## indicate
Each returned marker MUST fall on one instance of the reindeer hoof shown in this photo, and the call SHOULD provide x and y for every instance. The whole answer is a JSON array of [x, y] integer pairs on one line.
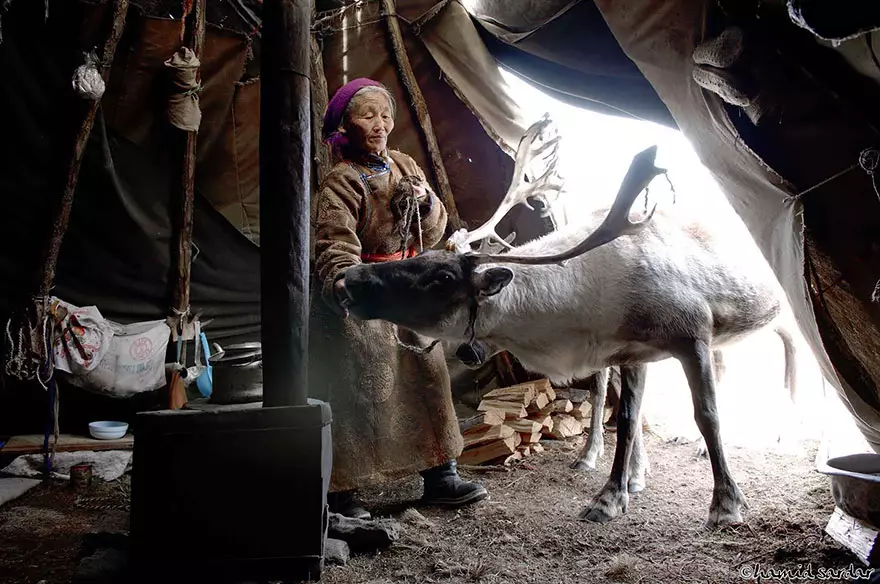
[[582, 465], [720, 519], [607, 506], [726, 508], [636, 485]]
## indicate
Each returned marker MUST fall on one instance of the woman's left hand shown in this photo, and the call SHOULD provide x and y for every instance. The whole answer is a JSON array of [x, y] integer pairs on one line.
[[420, 192]]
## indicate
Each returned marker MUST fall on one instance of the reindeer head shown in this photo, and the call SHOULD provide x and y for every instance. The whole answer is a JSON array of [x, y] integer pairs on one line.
[[438, 293], [434, 293]]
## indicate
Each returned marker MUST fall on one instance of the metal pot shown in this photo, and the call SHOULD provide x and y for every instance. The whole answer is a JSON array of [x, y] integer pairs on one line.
[[237, 383]]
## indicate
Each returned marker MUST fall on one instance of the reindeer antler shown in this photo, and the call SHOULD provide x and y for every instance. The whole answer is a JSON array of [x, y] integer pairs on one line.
[[641, 172], [539, 143]]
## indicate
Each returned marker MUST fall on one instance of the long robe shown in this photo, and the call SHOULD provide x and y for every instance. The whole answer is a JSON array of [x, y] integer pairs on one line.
[[392, 408]]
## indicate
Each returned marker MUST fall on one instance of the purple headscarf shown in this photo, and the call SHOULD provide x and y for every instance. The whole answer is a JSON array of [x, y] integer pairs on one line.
[[336, 109]]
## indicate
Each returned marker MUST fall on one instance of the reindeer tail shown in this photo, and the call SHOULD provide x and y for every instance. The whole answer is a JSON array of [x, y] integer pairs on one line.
[[790, 365]]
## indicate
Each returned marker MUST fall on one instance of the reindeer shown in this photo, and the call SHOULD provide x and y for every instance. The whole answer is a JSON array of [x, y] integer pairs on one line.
[[611, 292]]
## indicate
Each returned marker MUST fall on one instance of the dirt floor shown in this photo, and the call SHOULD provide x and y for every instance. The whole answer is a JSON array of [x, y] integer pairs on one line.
[[527, 532]]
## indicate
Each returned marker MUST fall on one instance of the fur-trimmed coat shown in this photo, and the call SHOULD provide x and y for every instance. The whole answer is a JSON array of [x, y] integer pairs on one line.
[[392, 408]]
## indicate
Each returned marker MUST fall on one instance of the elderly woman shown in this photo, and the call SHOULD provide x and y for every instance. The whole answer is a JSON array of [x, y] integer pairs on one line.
[[392, 405]]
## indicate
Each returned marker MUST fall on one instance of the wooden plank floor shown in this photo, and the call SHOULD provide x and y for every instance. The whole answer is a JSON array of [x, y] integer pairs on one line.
[[33, 443]]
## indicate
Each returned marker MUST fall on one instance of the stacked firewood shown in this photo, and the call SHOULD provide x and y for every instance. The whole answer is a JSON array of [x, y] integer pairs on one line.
[[512, 421]]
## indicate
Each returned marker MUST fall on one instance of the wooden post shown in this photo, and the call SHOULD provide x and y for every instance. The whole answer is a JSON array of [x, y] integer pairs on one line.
[[194, 24], [62, 217], [285, 168], [417, 101], [320, 98], [320, 153]]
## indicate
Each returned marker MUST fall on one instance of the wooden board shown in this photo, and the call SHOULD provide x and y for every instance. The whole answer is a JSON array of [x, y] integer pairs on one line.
[[33, 443], [533, 438], [480, 422], [524, 426], [574, 394], [540, 402], [582, 411], [859, 537], [490, 450], [565, 426], [562, 406], [488, 435], [523, 393], [511, 410], [543, 386], [545, 420]]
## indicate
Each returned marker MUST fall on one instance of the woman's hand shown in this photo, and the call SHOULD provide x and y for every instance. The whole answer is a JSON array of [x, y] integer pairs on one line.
[[422, 194], [340, 296]]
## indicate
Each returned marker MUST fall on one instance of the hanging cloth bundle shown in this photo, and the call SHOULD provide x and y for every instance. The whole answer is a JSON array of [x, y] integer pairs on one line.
[[183, 104]]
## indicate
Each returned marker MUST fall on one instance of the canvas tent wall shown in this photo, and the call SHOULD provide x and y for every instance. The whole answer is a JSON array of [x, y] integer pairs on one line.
[[630, 58], [819, 235]]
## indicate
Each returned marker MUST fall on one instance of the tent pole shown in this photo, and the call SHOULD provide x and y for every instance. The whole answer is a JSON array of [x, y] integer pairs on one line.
[[194, 24], [320, 98], [417, 100], [285, 169], [62, 217]]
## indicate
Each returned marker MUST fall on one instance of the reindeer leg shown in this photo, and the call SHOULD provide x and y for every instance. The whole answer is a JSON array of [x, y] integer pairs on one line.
[[727, 499], [595, 446], [718, 368], [613, 499], [638, 461]]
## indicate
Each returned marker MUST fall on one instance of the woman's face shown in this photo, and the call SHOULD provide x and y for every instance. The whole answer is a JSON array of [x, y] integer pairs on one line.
[[370, 120]]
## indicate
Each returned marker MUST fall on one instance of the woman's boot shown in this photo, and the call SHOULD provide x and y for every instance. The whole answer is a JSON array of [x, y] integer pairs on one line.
[[347, 503], [444, 487]]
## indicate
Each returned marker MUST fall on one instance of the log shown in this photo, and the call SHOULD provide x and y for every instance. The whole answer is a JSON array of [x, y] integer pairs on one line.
[[533, 438], [562, 406], [490, 451], [480, 422], [525, 426], [489, 435], [420, 109], [859, 537], [285, 195], [62, 212], [510, 410], [541, 401], [543, 386], [565, 426], [582, 411], [574, 394], [523, 393], [546, 422], [194, 29]]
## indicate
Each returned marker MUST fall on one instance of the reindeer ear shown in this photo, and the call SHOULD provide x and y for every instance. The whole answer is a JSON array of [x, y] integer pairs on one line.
[[490, 282]]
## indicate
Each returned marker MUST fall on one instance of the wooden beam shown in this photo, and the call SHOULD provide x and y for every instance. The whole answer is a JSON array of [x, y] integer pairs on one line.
[[194, 38], [420, 108], [285, 183], [62, 214], [320, 97]]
